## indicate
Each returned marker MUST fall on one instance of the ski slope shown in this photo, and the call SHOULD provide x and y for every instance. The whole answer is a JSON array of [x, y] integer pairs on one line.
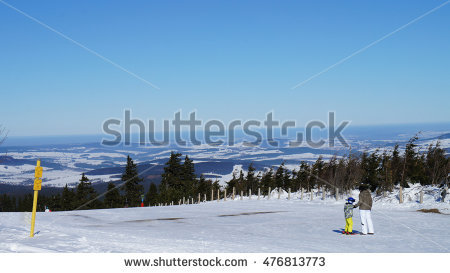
[[275, 225]]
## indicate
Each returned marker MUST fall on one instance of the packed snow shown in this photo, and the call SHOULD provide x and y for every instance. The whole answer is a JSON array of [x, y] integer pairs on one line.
[[249, 225]]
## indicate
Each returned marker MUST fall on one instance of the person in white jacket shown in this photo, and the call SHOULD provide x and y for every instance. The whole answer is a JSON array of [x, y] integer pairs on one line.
[[365, 207]]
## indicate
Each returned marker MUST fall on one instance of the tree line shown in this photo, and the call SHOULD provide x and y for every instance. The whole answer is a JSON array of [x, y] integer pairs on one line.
[[381, 170]]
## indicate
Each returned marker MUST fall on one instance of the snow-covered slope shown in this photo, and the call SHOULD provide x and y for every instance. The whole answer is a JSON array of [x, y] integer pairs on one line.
[[275, 225]]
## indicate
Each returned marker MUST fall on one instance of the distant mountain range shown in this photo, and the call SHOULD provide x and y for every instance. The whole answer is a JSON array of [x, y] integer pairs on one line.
[[64, 163]]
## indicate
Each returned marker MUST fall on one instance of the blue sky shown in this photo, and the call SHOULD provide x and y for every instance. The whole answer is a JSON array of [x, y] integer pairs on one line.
[[225, 59]]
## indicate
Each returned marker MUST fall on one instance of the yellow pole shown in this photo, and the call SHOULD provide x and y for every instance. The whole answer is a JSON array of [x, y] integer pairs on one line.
[[33, 217], [36, 188]]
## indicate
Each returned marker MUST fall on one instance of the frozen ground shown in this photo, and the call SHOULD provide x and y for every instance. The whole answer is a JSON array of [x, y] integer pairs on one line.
[[232, 226]]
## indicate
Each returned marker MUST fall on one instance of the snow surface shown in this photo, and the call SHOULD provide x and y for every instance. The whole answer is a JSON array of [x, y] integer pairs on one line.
[[275, 225]]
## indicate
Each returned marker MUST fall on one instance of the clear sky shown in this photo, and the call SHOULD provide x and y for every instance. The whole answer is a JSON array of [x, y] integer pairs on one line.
[[225, 59]]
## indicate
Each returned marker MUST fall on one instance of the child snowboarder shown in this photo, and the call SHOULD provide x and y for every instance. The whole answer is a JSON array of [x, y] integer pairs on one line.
[[348, 212]]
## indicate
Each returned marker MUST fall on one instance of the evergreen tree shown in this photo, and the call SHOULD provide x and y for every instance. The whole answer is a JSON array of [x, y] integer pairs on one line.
[[132, 187], [205, 186], [189, 179], [279, 176], [409, 162], [152, 195], [251, 179], [436, 164], [113, 199], [370, 165], [396, 165], [172, 186], [67, 199], [330, 172], [287, 181], [85, 196], [241, 183], [230, 184], [25, 203], [7, 203], [267, 182], [317, 172], [302, 177], [386, 174]]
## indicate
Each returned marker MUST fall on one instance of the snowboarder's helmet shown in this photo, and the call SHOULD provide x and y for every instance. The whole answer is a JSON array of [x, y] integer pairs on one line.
[[351, 200]]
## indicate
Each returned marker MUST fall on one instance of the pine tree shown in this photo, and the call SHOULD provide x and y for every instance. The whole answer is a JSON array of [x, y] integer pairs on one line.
[[113, 199], [396, 165], [132, 187], [230, 184], [85, 196], [386, 175], [241, 183], [67, 199], [267, 182], [317, 171], [279, 176], [287, 181], [205, 186], [302, 177], [7, 203], [26, 203], [189, 179], [172, 186], [152, 195], [251, 180], [330, 172], [436, 164], [409, 162], [370, 165]]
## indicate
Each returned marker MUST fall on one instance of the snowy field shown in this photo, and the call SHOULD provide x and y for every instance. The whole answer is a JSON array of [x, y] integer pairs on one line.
[[233, 226]]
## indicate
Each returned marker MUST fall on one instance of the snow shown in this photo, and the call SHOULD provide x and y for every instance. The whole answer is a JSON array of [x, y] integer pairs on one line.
[[223, 179], [9, 170], [275, 225], [300, 157]]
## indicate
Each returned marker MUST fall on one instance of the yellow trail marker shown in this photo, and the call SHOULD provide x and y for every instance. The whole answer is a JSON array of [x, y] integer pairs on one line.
[[36, 187]]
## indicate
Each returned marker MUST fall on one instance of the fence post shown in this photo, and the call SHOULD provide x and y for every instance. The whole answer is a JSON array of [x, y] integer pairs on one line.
[[218, 195], [184, 201], [204, 197], [312, 193], [279, 192], [249, 194], [179, 202], [234, 193], [400, 195], [225, 195], [289, 194], [192, 200], [337, 194], [199, 198], [301, 195], [323, 193], [242, 194], [259, 193], [421, 197], [268, 194], [212, 194]]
